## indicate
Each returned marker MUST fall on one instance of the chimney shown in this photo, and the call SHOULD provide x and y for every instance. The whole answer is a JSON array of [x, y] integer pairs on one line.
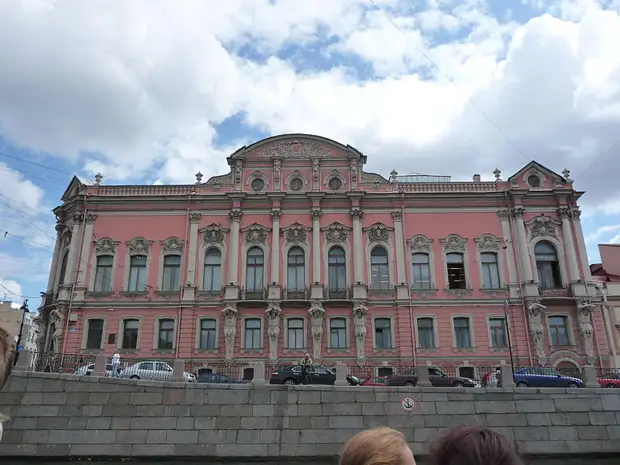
[[476, 178]]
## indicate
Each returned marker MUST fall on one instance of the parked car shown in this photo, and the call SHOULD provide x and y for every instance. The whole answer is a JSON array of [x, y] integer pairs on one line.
[[152, 369], [544, 377], [610, 380], [87, 370], [218, 378], [375, 381], [437, 378], [318, 374]]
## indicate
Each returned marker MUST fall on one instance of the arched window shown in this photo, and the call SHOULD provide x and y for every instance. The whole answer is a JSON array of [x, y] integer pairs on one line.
[[336, 270], [456, 270], [254, 277], [547, 265], [296, 270], [63, 269], [172, 273], [379, 270], [212, 279]]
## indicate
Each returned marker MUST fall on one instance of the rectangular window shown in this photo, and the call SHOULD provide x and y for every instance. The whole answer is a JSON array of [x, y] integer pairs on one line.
[[103, 273], [295, 333], [212, 281], [497, 327], [462, 334], [379, 268], [94, 334], [426, 333], [130, 334], [137, 273], [172, 273], [558, 331], [252, 333], [338, 333], [166, 334], [207, 333], [383, 333], [490, 270], [296, 270], [421, 271], [456, 270]]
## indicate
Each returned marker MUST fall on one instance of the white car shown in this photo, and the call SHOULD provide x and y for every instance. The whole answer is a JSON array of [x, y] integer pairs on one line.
[[87, 370], [153, 369]]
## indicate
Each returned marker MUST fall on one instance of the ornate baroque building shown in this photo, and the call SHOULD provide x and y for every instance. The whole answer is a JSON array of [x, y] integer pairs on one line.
[[297, 249]]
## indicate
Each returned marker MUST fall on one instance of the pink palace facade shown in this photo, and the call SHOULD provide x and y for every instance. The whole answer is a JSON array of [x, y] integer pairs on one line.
[[297, 249]]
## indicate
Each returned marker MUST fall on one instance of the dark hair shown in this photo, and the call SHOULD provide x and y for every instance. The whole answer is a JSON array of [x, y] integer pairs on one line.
[[474, 445]]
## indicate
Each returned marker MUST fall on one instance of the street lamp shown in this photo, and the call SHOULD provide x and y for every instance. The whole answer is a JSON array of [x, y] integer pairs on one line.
[[24, 309]]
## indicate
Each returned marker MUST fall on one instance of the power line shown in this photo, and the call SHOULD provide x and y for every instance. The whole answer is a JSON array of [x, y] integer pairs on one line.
[[40, 165], [18, 295]]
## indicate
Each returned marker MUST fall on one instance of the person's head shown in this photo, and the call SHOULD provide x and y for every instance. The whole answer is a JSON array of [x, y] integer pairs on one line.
[[377, 446], [474, 445], [307, 356]]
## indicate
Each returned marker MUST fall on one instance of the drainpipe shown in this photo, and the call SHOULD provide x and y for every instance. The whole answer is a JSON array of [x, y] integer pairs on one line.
[[607, 323], [182, 282]]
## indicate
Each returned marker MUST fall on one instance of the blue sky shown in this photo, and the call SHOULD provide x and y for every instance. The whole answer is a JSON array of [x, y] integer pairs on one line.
[[152, 92]]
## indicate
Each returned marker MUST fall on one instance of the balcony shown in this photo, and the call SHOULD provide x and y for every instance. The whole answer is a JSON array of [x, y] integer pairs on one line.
[[337, 293], [296, 294], [253, 294]]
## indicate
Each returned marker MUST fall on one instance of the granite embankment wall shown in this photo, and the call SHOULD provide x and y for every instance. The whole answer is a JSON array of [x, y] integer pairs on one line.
[[65, 415]]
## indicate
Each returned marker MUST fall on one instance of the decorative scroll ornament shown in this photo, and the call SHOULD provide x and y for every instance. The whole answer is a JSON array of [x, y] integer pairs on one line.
[[378, 232], [90, 218], [78, 217], [195, 217], [173, 244], [256, 234], [296, 233], [317, 314], [214, 234], [504, 215], [296, 149], [543, 226], [230, 328], [235, 216], [105, 245], [139, 245], [273, 313], [518, 212], [336, 232], [537, 330], [420, 243], [488, 242], [454, 243], [360, 311]]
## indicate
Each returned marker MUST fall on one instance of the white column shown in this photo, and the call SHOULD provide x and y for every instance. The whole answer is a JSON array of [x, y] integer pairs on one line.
[[524, 254], [52, 277], [316, 245], [509, 246], [74, 246], [569, 245], [194, 220], [87, 239], [233, 252], [581, 244], [275, 245], [401, 275], [358, 266]]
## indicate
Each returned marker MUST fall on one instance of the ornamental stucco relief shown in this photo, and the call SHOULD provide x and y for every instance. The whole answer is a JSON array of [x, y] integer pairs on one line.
[[296, 149], [105, 245], [454, 243], [213, 234], [336, 233], [488, 243], [139, 245], [255, 234], [378, 232], [172, 244], [543, 226], [296, 233], [420, 243]]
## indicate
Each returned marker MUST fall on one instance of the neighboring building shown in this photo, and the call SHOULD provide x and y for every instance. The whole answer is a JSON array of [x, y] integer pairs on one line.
[[11, 318], [298, 250]]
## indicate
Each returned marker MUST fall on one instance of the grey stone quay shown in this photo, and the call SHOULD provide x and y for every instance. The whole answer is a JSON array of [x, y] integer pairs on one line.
[[67, 415]]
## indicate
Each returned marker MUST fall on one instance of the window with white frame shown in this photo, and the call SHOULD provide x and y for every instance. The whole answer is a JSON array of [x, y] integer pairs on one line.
[[172, 273], [462, 333], [379, 268], [208, 333], [255, 265], [336, 269], [338, 333], [421, 267], [94, 333], [455, 263], [558, 330], [212, 279], [103, 273], [165, 338], [383, 333], [547, 265], [252, 333], [489, 264], [497, 330], [137, 273], [295, 333], [426, 333], [296, 269], [131, 329]]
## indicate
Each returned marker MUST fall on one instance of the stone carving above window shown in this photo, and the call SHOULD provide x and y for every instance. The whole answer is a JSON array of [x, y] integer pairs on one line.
[[296, 149], [453, 243], [172, 244], [336, 232], [378, 232], [139, 245], [488, 243], [255, 234], [213, 234], [105, 245], [420, 243], [543, 226], [296, 233]]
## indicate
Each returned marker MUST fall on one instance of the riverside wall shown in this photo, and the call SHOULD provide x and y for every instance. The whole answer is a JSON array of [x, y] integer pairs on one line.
[[67, 415]]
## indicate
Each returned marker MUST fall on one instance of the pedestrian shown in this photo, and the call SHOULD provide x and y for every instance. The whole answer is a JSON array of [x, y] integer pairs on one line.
[[306, 365], [377, 446], [116, 364]]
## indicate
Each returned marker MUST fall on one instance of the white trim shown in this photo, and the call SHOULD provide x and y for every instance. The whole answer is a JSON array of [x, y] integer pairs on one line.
[[202, 250], [286, 247], [160, 268], [446, 249], [429, 251], [472, 333], [199, 320], [304, 330], [244, 261], [335, 174], [433, 318], [498, 316], [121, 331], [347, 261], [481, 249], [374, 332], [389, 249], [560, 253], [569, 328], [261, 332], [156, 329], [149, 259], [85, 327], [257, 175], [93, 264], [296, 174], [347, 331]]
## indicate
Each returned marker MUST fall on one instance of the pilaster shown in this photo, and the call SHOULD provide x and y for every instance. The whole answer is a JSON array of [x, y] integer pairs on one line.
[[316, 289], [513, 281], [70, 278], [189, 289], [274, 288], [402, 290], [231, 290], [53, 269], [359, 287], [581, 244], [569, 244], [529, 286]]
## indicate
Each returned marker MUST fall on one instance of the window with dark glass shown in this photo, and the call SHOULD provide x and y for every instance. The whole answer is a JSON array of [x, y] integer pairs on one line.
[[421, 265], [254, 270], [103, 273], [338, 333], [335, 184], [172, 273], [94, 334], [426, 333], [383, 333], [456, 270], [137, 273], [379, 270], [258, 185], [490, 270], [462, 333], [207, 333], [252, 333], [558, 331], [166, 334], [130, 334], [295, 333], [497, 327], [212, 279], [547, 265], [296, 184], [336, 269], [296, 276], [63, 269]]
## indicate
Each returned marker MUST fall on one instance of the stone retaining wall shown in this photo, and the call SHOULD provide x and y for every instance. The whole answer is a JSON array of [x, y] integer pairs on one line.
[[65, 415]]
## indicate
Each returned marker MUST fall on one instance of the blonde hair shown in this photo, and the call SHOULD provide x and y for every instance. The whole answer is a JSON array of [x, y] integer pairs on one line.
[[7, 355], [377, 446]]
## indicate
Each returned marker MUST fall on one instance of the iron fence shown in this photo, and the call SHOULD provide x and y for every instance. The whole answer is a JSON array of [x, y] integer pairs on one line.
[[213, 371], [50, 362]]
